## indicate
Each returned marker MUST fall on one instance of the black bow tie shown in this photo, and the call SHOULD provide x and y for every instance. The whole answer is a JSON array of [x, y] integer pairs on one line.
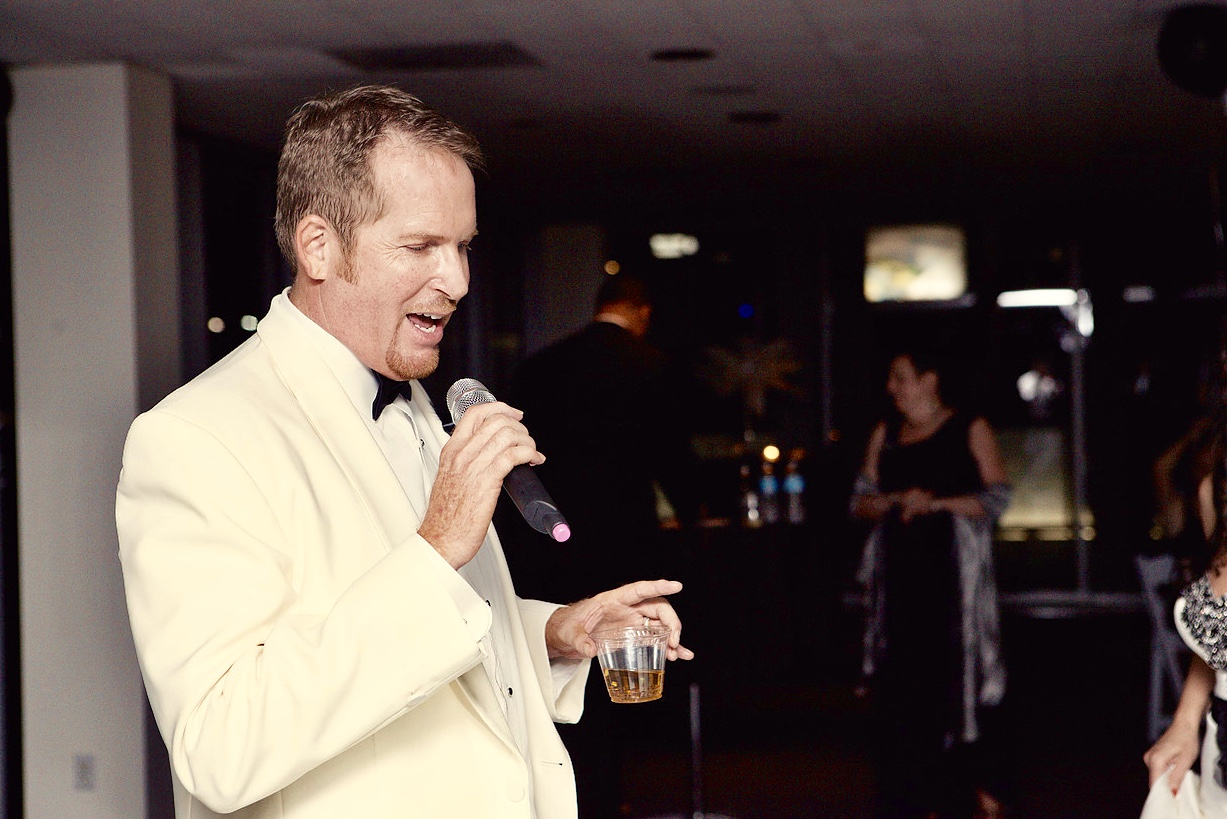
[[387, 392]]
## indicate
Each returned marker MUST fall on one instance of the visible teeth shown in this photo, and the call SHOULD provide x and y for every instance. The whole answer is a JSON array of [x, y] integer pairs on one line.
[[426, 322]]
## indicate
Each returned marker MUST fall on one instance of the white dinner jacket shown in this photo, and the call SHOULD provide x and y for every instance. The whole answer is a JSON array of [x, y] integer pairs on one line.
[[307, 655]]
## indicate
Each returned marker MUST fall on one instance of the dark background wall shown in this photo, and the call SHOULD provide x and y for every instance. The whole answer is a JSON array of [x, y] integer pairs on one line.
[[782, 261]]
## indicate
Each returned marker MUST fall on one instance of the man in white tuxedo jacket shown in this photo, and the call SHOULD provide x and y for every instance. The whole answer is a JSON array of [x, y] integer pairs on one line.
[[321, 608]]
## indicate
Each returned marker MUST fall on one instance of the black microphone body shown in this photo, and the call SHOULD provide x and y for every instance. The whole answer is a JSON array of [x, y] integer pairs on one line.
[[521, 484]]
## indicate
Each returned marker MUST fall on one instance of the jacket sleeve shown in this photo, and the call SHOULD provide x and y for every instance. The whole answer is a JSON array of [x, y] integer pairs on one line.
[[562, 680], [251, 689]]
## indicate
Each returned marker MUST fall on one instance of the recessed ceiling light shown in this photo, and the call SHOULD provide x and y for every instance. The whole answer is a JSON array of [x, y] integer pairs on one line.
[[682, 55], [754, 117]]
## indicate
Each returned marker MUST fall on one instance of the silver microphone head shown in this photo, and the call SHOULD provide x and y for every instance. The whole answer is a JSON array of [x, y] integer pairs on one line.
[[465, 393]]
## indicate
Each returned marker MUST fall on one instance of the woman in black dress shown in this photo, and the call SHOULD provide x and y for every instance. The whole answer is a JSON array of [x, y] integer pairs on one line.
[[933, 485]]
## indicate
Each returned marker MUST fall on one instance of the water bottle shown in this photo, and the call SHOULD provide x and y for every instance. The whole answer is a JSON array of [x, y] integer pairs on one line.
[[794, 491], [749, 500], [769, 494]]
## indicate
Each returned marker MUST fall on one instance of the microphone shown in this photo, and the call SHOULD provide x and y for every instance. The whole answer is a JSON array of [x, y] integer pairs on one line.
[[521, 483]]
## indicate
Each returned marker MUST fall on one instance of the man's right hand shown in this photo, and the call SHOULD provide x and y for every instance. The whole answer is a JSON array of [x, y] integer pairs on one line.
[[487, 442]]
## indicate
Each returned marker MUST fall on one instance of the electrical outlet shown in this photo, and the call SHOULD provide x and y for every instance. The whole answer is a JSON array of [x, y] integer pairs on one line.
[[84, 777]]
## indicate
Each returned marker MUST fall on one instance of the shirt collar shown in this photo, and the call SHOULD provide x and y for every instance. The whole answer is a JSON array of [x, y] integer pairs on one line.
[[613, 318]]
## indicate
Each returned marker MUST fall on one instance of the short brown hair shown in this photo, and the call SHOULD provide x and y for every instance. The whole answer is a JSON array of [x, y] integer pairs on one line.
[[325, 161]]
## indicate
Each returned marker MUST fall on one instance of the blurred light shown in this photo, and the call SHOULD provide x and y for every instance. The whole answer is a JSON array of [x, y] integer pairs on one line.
[[673, 245], [1080, 313], [248, 323], [216, 325], [1138, 293], [771, 453], [745, 310], [1084, 319], [1035, 386], [1050, 297], [1075, 304], [612, 267]]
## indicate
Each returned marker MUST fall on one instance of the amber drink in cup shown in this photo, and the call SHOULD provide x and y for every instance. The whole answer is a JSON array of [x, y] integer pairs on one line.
[[633, 662]]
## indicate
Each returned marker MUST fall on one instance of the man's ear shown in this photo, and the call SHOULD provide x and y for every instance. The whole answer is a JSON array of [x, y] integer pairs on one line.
[[316, 247]]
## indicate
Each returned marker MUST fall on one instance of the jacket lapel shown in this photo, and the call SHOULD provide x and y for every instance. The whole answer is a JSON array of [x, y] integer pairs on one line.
[[331, 414]]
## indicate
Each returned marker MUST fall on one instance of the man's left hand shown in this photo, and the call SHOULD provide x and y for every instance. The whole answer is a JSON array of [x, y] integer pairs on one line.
[[568, 633]]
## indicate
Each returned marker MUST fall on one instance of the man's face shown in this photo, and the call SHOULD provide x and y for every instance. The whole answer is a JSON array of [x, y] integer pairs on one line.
[[408, 269]]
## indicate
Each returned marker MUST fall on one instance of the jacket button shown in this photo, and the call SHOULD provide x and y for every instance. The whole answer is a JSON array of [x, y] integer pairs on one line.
[[515, 791]]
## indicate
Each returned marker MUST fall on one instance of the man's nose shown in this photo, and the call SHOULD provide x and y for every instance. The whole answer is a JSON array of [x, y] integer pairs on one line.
[[453, 273]]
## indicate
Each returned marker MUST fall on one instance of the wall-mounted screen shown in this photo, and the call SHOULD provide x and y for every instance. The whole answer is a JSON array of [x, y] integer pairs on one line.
[[915, 263]]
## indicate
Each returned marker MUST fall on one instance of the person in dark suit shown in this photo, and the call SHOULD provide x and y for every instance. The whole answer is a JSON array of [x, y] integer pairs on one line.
[[602, 406], [598, 403]]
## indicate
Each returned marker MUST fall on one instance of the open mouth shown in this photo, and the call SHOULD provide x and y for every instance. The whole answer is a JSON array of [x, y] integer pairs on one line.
[[426, 322]]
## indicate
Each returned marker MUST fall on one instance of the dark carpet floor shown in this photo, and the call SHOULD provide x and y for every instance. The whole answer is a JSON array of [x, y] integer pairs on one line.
[[796, 745]]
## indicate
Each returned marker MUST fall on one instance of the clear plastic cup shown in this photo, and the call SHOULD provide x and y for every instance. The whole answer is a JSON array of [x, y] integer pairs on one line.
[[633, 662]]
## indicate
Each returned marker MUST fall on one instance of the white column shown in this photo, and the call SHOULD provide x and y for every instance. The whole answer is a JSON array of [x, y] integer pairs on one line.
[[95, 303]]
